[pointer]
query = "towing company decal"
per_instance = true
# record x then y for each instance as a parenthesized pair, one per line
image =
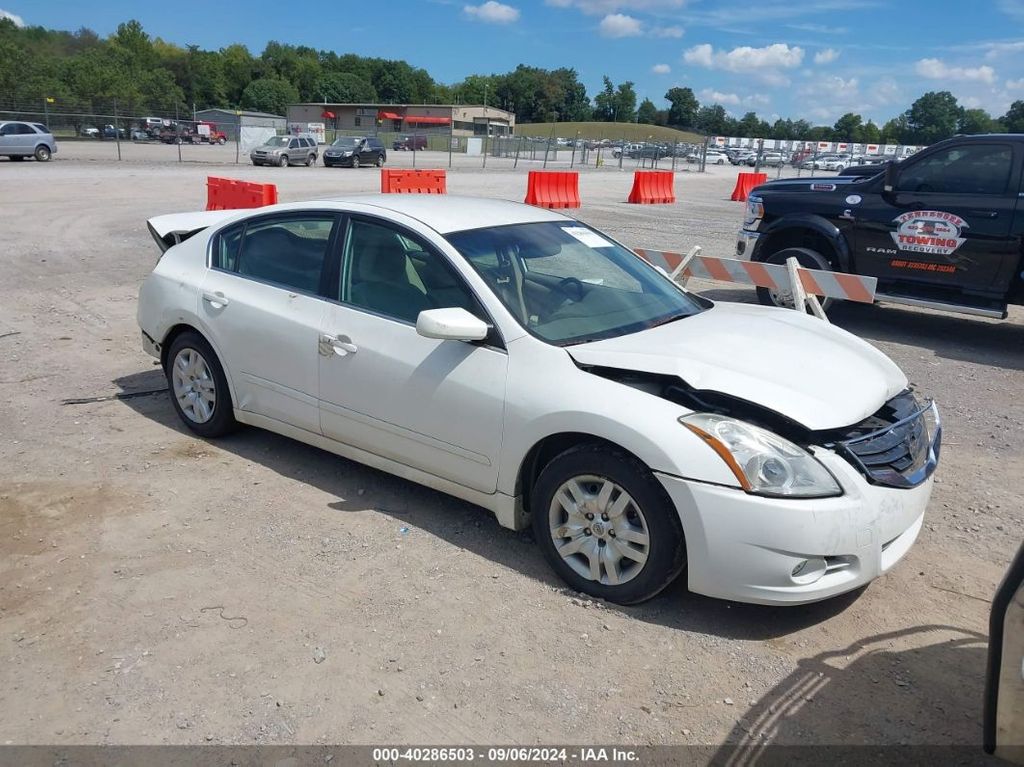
(929, 231)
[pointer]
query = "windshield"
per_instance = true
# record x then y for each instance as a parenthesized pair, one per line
(345, 141)
(566, 283)
(277, 141)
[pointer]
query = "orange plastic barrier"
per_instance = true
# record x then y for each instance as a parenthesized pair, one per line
(653, 187)
(413, 181)
(553, 189)
(745, 182)
(229, 194)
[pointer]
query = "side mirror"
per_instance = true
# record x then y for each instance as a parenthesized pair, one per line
(453, 324)
(890, 176)
(1004, 684)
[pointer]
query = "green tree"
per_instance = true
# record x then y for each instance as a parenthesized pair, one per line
(237, 64)
(683, 112)
(1013, 120)
(647, 113)
(750, 125)
(625, 103)
(342, 87)
(269, 94)
(605, 106)
(712, 120)
(974, 121)
(848, 127)
(870, 134)
(896, 131)
(933, 117)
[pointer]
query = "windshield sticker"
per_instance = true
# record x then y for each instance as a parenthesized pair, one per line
(823, 187)
(929, 231)
(588, 237)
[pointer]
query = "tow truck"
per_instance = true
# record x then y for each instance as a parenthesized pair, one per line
(941, 229)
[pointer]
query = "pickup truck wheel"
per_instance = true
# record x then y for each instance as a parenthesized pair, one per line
(222, 140)
(806, 257)
(606, 525)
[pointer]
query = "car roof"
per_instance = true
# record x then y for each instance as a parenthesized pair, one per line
(451, 213)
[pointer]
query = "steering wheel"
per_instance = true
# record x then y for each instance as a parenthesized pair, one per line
(571, 283)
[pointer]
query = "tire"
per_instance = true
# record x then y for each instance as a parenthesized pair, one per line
(355, 161)
(222, 141)
(811, 259)
(380, 161)
(42, 153)
(283, 161)
(311, 161)
(646, 512)
(188, 385)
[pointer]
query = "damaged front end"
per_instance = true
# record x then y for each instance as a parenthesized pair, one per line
(897, 446)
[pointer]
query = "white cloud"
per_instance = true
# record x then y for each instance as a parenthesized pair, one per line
(757, 98)
(1015, 85)
(717, 97)
(661, 69)
(745, 58)
(994, 50)
(826, 56)
(620, 25)
(492, 12)
(604, 7)
(936, 69)
(673, 32)
(18, 21)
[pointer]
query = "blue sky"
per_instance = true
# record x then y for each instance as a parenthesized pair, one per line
(811, 59)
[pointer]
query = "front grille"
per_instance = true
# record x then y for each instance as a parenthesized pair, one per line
(898, 446)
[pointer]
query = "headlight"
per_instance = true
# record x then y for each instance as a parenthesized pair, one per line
(754, 212)
(346, 154)
(764, 463)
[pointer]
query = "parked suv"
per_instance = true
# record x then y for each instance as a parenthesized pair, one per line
(285, 151)
(355, 151)
(19, 140)
(412, 143)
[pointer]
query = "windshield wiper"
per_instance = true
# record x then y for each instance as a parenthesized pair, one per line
(666, 320)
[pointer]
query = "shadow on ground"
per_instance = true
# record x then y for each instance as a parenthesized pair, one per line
(468, 526)
(876, 692)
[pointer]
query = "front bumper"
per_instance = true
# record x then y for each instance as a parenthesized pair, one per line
(749, 548)
(746, 241)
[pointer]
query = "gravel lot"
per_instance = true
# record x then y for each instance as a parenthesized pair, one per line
(156, 588)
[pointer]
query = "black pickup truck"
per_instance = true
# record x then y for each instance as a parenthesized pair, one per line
(941, 229)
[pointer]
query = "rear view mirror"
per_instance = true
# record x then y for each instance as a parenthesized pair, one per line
(1004, 683)
(454, 324)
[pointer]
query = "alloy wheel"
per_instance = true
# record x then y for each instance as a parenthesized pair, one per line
(193, 385)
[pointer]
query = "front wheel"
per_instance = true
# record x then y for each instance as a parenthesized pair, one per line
(811, 259)
(355, 161)
(283, 161)
(198, 386)
(606, 525)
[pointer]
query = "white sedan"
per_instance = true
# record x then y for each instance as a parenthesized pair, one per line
(523, 361)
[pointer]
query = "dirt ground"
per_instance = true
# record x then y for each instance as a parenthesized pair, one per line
(156, 588)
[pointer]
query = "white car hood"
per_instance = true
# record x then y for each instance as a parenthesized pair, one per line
(809, 371)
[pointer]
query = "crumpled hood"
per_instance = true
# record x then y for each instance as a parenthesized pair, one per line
(809, 371)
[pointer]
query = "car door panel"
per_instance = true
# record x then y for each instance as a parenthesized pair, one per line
(269, 336)
(433, 405)
(959, 239)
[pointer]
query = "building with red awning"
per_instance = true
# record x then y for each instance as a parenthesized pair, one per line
(461, 120)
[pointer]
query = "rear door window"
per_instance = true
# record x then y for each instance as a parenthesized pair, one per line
(965, 169)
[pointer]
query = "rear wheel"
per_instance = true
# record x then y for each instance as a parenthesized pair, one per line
(606, 525)
(311, 161)
(380, 161)
(198, 386)
(42, 153)
(806, 257)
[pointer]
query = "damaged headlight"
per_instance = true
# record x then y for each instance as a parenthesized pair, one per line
(754, 212)
(764, 463)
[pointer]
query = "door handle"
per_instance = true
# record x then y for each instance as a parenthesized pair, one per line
(216, 300)
(340, 345)
(984, 213)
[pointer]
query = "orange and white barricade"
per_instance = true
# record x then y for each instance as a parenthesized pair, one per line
(804, 284)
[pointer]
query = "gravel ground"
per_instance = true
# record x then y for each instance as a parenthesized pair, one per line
(156, 588)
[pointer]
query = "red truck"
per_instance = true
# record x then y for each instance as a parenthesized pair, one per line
(192, 133)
